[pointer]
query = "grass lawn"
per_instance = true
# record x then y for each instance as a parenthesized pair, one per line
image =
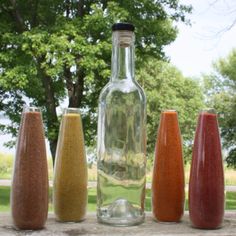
(6, 164)
(5, 200)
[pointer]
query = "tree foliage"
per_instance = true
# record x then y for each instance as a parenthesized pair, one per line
(220, 89)
(57, 49)
(167, 89)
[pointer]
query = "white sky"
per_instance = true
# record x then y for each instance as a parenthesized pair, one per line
(197, 46)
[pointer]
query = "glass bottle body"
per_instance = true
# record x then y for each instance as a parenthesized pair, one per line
(168, 172)
(206, 185)
(121, 148)
(70, 172)
(29, 193)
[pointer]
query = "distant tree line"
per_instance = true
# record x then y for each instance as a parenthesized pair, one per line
(61, 49)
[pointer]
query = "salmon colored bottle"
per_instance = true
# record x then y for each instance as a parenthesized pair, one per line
(206, 185)
(29, 193)
(168, 173)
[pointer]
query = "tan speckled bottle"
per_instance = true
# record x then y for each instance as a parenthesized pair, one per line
(29, 193)
(70, 173)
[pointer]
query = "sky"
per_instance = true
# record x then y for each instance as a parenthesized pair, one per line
(207, 39)
(197, 46)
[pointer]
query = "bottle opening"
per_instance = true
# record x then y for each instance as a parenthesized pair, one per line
(123, 26)
(124, 38)
(31, 109)
(169, 111)
(71, 110)
(208, 110)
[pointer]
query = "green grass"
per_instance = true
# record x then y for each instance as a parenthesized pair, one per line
(229, 173)
(6, 165)
(5, 200)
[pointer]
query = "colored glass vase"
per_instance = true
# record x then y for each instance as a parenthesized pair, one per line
(70, 171)
(29, 193)
(206, 185)
(168, 173)
(121, 146)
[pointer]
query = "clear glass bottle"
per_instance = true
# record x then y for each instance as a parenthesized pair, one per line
(121, 146)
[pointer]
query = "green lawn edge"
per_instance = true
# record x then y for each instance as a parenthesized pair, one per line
(5, 200)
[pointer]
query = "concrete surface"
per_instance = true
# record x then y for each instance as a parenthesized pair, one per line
(91, 227)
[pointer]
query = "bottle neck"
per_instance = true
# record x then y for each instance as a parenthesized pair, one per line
(122, 55)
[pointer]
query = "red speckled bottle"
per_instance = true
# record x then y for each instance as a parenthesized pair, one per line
(206, 186)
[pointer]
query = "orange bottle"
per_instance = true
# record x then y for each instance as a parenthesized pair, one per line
(168, 173)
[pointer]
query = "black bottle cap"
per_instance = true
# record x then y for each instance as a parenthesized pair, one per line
(123, 26)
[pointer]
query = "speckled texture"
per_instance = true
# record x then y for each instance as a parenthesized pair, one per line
(91, 227)
(29, 194)
(168, 171)
(206, 184)
(70, 179)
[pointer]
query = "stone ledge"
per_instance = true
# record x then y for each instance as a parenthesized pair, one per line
(91, 227)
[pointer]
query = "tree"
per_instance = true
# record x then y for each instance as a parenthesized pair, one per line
(56, 49)
(220, 89)
(167, 88)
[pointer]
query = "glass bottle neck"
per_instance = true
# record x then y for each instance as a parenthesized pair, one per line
(122, 55)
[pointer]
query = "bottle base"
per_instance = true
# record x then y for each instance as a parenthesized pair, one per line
(167, 219)
(121, 222)
(167, 222)
(120, 213)
(204, 227)
(70, 220)
(28, 228)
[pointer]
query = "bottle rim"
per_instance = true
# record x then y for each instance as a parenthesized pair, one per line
(71, 110)
(123, 26)
(123, 38)
(208, 111)
(169, 111)
(27, 108)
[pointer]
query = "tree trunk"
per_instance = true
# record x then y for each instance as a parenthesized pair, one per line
(52, 120)
(75, 89)
(50, 104)
(53, 148)
(17, 17)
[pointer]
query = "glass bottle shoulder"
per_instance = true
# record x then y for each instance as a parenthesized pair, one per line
(122, 88)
